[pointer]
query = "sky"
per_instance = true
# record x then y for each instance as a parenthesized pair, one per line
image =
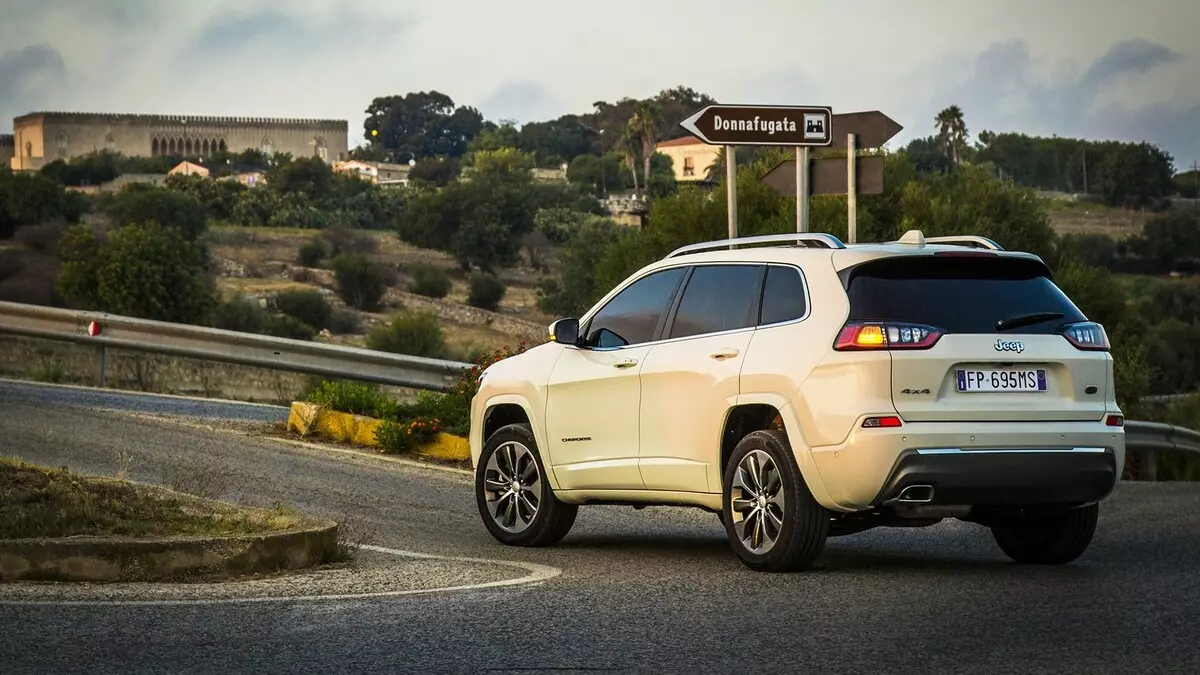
(1094, 69)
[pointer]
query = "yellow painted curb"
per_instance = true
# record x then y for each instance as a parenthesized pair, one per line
(309, 419)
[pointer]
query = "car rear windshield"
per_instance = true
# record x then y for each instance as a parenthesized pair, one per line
(958, 294)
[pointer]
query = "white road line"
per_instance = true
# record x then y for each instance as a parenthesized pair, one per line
(536, 575)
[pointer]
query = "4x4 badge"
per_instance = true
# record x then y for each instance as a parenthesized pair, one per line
(1002, 346)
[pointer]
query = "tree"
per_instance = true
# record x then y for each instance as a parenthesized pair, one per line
(361, 282)
(439, 171)
(29, 199)
(144, 270)
(555, 142)
(307, 176)
(644, 124)
(421, 124)
(952, 133)
(631, 146)
(219, 197)
(139, 203)
(502, 160)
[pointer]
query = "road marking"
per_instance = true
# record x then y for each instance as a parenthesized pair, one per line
(536, 575)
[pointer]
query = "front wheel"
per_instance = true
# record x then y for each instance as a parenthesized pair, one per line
(514, 498)
(773, 522)
(1051, 539)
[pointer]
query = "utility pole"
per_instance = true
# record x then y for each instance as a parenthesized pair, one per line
(1085, 185)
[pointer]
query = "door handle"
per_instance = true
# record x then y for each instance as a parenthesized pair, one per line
(626, 363)
(722, 354)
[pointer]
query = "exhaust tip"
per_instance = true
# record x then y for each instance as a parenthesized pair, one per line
(916, 494)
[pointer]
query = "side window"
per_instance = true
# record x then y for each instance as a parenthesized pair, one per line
(632, 316)
(783, 295)
(717, 298)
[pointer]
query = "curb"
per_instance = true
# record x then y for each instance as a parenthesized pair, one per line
(181, 558)
(309, 419)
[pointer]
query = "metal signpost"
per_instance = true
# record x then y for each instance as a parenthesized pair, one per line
(733, 125)
(802, 127)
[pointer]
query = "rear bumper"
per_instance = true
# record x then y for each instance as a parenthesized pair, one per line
(973, 463)
(1003, 477)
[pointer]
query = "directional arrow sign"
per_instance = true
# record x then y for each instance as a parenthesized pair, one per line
(873, 128)
(762, 125)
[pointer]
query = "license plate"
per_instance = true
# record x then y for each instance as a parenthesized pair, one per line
(992, 379)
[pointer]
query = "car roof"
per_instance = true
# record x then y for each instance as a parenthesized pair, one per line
(797, 247)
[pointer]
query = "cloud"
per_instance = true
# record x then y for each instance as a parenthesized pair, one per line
(1131, 57)
(523, 101)
(29, 72)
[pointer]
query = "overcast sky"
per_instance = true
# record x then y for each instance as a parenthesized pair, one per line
(1090, 68)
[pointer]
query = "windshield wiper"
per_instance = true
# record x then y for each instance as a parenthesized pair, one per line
(1027, 320)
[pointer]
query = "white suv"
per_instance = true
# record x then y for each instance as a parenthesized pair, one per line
(803, 388)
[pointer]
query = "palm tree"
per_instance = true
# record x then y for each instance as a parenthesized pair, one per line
(629, 148)
(952, 133)
(646, 119)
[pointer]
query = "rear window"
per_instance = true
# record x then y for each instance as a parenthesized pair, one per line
(959, 295)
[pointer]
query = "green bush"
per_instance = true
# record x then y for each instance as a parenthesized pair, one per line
(355, 398)
(486, 291)
(312, 253)
(345, 321)
(413, 333)
(307, 306)
(241, 314)
(429, 281)
(400, 436)
(284, 326)
(361, 283)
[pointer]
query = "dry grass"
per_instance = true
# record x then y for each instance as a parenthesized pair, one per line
(1096, 218)
(42, 502)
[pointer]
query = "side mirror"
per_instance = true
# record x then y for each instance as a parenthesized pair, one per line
(565, 332)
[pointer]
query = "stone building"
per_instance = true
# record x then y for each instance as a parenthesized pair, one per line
(690, 157)
(8, 149)
(42, 137)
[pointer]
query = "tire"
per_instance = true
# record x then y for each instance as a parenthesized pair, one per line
(1049, 539)
(506, 518)
(804, 524)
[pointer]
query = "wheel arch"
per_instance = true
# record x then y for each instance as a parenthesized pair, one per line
(504, 409)
(749, 411)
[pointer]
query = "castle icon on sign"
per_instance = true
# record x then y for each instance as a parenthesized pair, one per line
(814, 126)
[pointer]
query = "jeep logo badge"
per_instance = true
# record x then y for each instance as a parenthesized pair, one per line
(1002, 346)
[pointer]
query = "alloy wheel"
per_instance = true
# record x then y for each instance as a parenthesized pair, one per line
(757, 499)
(513, 486)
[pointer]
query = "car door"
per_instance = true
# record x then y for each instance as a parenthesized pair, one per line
(691, 378)
(594, 392)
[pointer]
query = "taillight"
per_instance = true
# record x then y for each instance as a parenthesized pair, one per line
(885, 422)
(1115, 421)
(1087, 335)
(861, 335)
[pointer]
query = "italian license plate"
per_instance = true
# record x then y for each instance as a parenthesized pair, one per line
(1008, 379)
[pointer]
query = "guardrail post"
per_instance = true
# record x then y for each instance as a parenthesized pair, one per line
(1151, 468)
(103, 363)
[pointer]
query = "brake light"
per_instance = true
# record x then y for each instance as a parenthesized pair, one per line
(885, 422)
(1115, 421)
(860, 336)
(1087, 335)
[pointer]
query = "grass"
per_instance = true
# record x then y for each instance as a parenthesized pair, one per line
(44, 502)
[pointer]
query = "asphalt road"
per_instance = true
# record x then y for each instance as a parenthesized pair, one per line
(639, 591)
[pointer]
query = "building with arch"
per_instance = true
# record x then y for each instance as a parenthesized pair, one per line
(42, 137)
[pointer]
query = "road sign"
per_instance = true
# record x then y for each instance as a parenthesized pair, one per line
(873, 128)
(829, 176)
(799, 126)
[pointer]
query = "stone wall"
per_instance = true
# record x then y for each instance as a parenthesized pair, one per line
(41, 138)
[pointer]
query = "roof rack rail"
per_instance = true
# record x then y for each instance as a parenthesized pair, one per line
(971, 240)
(827, 240)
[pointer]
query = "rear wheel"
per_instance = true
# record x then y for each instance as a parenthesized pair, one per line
(771, 518)
(1051, 539)
(514, 498)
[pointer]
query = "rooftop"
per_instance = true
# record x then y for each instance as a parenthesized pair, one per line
(182, 119)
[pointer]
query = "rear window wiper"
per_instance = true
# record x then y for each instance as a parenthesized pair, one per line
(1027, 320)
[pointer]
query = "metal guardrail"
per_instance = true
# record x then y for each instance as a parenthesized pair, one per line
(211, 344)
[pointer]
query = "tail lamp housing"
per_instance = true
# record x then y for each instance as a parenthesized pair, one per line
(870, 335)
(1087, 336)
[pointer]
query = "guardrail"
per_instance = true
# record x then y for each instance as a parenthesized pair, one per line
(352, 363)
(105, 331)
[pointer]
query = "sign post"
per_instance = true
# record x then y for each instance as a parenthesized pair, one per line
(851, 188)
(732, 125)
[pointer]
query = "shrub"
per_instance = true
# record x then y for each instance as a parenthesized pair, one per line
(284, 326)
(312, 253)
(429, 281)
(41, 238)
(241, 314)
(399, 436)
(486, 291)
(355, 398)
(361, 283)
(345, 321)
(309, 307)
(414, 333)
(344, 241)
